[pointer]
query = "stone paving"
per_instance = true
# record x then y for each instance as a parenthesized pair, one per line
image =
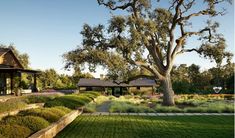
(157, 114)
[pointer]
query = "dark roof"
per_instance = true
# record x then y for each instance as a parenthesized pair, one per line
(95, 82)
(4, 51)
(7, 70)
(142, 82)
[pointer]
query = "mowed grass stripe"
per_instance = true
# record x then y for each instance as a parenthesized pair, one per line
(150, 127)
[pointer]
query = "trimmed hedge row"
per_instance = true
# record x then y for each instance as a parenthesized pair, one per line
(38, 98)
(30, 121)
(72, 101)
(14, 131)
(49, 114)
(12, 104)
(20, 103)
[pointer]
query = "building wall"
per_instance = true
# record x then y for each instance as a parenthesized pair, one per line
(83, 89)
(5, 84)
(133, 90)
(143, 90)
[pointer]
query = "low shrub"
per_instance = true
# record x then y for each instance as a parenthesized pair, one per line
(126, 107)
(41, 112)
(55, 102)
(84, 98)
(56, 111)
(211, 109)
(101, 99)
(90, 108)
(12, 104)
(219, 107)
(34, 123)
(14, 131)
(195, 110)
(65, 109)
(167, 109)
(38, 98)
(91, 94)
(94, 93)
(72, 101)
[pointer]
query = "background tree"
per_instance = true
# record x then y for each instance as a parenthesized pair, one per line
(49, 78)
(146, 38)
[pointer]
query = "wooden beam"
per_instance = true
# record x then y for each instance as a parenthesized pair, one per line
(35, 83)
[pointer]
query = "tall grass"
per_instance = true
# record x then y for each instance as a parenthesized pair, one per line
(127, 107)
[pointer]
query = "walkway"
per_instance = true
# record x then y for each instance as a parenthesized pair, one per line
(156, 114)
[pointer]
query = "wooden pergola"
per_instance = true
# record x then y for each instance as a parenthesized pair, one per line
(17, 72)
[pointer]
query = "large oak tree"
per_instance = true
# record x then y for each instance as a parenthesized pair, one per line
(150, 37)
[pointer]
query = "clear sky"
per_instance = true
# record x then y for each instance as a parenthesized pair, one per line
(45, 29)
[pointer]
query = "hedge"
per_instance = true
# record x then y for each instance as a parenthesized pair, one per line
(14, 131)
(34, 123)
(12, 104)
(38, 98)
(72, 101)
(44, 113)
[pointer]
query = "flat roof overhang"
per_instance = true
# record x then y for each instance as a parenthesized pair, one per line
(9, 70)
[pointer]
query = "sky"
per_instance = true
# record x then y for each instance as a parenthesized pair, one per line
(46, 29)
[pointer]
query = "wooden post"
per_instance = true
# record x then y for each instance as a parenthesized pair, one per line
(20, 79)
(12, 85)
(35, 83)
(153, 90)
(121, 91)
(4, 84)
(112, 90)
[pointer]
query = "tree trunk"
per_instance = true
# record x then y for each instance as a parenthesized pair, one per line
(168, 93)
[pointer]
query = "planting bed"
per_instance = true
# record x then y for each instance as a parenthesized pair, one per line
(184, 104)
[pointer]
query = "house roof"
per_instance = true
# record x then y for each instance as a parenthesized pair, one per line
(4, 51)
(143, 82)
(95, 82)
(11, 68)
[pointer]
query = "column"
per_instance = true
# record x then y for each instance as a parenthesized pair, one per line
(35, 83)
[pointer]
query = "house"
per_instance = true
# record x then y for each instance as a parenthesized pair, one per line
(11, 71)
(137, 85)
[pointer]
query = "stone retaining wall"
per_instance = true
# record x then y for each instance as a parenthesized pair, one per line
(56, 127)
(30, 106)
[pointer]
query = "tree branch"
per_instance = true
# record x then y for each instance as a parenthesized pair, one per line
(110, 6)
(171, 42)
(149, 68)
(189, 50)
(180, 40)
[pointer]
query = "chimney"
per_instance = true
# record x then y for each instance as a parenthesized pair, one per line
(101, 76)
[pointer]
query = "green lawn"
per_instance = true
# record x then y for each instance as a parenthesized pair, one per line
(150, 127)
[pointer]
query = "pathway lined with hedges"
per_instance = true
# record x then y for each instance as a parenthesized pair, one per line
(157, 114)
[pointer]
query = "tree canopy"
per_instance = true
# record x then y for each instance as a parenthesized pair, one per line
(147, 37)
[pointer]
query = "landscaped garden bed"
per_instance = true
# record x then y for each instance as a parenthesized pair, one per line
(184, 103)
(20, 103)
(27, 122)
(150, 127)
